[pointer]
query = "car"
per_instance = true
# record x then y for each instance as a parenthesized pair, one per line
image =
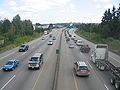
(79, 43)
(50, 42)
(73, 37)
(75, 40)
(43, 38)
(23, 48)
(10, 65)
(54, 38)
(81, 68)
(67, 39)
(50, 35)
(85, 49)
(71, 46)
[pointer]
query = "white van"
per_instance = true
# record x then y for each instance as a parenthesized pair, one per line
(81, 68)
(79, 43)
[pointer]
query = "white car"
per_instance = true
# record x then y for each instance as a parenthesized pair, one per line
(79, 43)
(71, 46)
(50, 42)
(43, 38)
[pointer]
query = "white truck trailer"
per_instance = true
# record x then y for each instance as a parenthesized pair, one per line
(99, 57)
(45, 32)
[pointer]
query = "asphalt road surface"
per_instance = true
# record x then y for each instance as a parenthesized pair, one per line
(23, 79)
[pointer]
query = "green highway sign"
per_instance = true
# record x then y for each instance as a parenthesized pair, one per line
(57, 51)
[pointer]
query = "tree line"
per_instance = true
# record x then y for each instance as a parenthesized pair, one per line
(10, 30)
(109, 27)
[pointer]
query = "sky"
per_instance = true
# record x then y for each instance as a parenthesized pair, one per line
(56, 11)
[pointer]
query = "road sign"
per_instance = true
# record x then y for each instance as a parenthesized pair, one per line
(57, 51)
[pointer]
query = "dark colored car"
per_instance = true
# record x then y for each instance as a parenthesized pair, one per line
(54, 38)
(10, 65)
(23, 48)
(50, 35)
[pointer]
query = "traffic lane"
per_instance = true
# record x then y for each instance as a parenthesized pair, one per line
(66, 79)
(14, 50)
(20, 71)
(93, 82)
(17, 54)
(44, 81)
(80, 56)
(3, 80)
(22, 60)
(104, 76)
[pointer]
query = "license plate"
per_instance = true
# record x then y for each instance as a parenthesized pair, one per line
(83, 71)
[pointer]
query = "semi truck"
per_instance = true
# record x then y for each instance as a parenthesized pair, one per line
(45, 32)
(99, 57)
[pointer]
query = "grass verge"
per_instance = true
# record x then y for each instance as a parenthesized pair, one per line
(114, 45)
(20, 40)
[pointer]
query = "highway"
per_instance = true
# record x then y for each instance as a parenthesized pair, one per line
(23, 79)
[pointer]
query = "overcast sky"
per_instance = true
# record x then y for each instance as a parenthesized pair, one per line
(56, 11)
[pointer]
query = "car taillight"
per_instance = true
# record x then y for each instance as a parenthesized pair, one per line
(78, 70)
(88, 70)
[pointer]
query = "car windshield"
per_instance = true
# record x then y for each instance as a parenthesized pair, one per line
(9, 63)
(34, 59)
(80, 41)
(22, 45)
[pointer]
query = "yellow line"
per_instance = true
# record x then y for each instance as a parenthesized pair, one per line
(38, 76)
(76, 86)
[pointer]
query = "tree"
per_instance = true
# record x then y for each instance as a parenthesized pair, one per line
(11, 33)
(6, 26)
(27, 27)
(18, 24)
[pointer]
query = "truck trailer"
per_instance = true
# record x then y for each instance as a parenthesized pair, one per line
(99, 57)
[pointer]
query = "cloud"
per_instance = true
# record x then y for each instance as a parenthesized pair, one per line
(108, 6)
(37, 5)
(101, 0)
(72, 6)
(98, 6)
(6, 15)
(12, 3)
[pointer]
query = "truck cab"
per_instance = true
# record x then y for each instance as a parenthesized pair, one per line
(99, 55)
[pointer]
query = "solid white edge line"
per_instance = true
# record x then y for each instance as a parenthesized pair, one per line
(7, 82)
(89, 64)
(114, 59)
(106, 87)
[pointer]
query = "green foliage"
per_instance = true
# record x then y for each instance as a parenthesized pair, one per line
(114, 44)
(16, 32)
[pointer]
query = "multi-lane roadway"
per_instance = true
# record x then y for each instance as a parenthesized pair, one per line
(44, 79)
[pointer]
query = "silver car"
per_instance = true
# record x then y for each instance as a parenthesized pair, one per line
(81, 68)
(71, 46)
